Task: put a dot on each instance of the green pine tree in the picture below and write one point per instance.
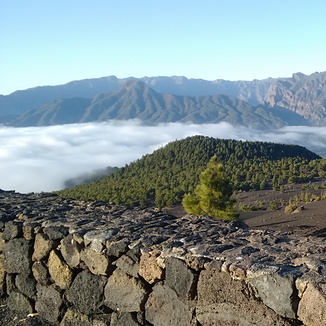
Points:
(212, 196)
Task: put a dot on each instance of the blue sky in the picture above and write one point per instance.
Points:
(54, 42)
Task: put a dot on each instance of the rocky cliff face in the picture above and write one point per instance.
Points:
(305, 95)
(79, 263)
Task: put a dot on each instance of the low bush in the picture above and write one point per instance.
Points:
(290, 208)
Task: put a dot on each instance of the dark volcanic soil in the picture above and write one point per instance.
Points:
(309, 221)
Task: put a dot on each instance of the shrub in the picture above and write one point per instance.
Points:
(247, 208)
(273, 206)
(290, 208)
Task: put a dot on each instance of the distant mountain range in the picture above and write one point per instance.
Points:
(268, 103)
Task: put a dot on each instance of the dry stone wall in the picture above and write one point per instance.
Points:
(90, 263)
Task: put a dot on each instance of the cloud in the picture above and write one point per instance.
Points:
(41, 158)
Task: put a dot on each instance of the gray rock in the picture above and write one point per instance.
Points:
(49, 303)
(10, 283)
(41, 273)
(26, 285)
(116, 248)
(277, 292)
(86, 292)
(129, 263)
(70, 250)
(123, 319)
(180, 278)
(74, 318)
(163, 307)
(13, 229)
(17, 254)
(19, 302)
(97, 263)
(42, 246)
(124, 293)
(224, 301)
(56, 232)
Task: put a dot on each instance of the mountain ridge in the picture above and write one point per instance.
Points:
(303, 95)
(135, 100)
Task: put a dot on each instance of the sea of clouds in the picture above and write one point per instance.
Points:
(39, 159)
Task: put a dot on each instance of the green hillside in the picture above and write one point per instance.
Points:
(163, 177)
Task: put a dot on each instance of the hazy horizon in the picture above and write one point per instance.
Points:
(231, 40)
(36, 159)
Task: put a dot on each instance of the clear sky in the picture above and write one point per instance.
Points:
(53, 42)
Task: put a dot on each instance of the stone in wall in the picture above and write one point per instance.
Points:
(41, 273)
(49, 303)
(17, 256)
(129, 262)
(42, 246)
(86, 292)
(56, 232)
(180, 278)
(59, 271)
(10, 283)
(124, 319)
(117, 248)
(312, 306)
(19, 302)
(124, 292)
(26, 285)
(13, 229)
(70, 250)
(97, 262)
(30, 229)
(163, 307)
(149, 268)
(277, 290)
(2, 277)
(74, 318)
(224, 301)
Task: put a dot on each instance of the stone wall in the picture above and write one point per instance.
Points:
(77, 263)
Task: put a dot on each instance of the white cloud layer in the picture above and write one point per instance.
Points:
(41, 158)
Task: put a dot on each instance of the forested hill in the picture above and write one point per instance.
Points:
(163, 177)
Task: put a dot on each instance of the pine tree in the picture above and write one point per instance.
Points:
(212, 196)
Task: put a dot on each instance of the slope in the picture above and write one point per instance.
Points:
(163, 177)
